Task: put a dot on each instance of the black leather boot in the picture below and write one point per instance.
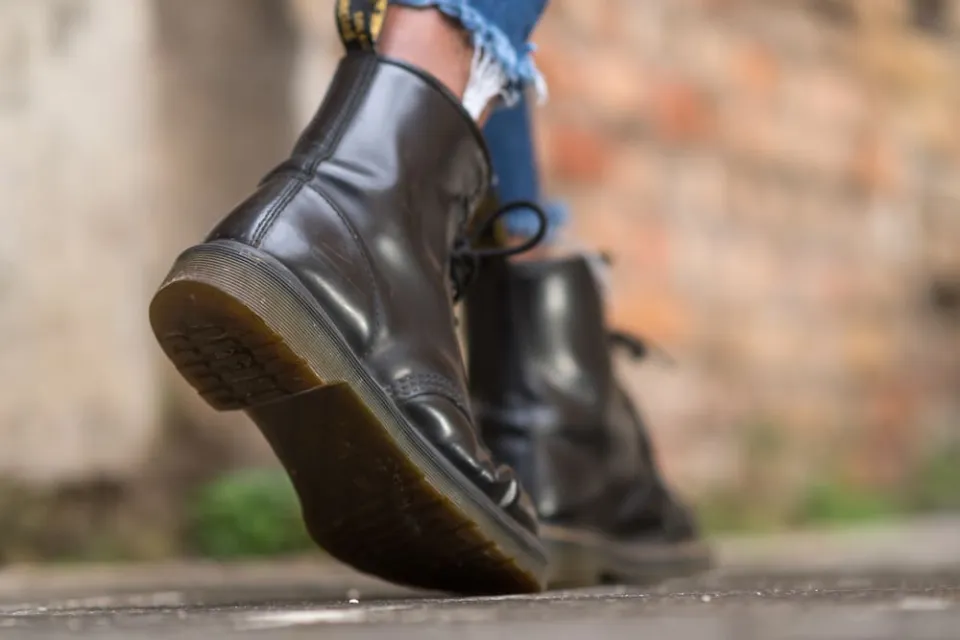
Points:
(322, 307)
(548, 404)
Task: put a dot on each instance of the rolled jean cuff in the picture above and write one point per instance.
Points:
(512, 55)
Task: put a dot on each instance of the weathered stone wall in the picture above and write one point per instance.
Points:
(79, 396)
(126, 130)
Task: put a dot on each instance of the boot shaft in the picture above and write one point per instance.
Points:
(538, 349)
(547, 400)
(366, 211)
(541, 380)
(402, 135)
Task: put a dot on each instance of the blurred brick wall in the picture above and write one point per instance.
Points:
(779, 182)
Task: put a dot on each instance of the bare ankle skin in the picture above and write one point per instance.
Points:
(431, 41)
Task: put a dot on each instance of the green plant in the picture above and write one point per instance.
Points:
(247, 513)
(727, 511)
(936, 484)
(834, 502)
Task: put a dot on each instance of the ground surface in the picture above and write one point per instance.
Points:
(894, 582)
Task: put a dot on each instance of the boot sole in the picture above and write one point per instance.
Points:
(245, 333)
(581, 558)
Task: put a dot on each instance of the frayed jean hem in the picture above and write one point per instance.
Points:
(517, 65)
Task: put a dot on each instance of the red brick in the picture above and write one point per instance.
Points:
(874, 165)
(680, 111)
(658, 315)
(636, 173)
(560, 70)
(616, 85)
(577, 153)
(754, 68)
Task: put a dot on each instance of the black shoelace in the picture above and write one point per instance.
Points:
(651, 504)
(639, 348)
(465, 264)
(467, 257)
(467, 260)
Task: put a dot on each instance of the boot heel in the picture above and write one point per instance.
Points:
(220, 335)
(572, 565)
(576, 557)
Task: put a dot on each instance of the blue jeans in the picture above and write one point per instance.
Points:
(509, 135)
(502, 29)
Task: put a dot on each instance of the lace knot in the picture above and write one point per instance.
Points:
(467, 258)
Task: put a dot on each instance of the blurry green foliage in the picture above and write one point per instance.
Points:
(244, 514)
(256, 512)
(835, 502)
(935, 486)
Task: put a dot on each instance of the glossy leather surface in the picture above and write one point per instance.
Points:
(364, 213)
(549, 405)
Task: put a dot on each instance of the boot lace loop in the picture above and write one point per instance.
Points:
(467, 258)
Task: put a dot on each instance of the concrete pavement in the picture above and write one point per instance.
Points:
(888, 582)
